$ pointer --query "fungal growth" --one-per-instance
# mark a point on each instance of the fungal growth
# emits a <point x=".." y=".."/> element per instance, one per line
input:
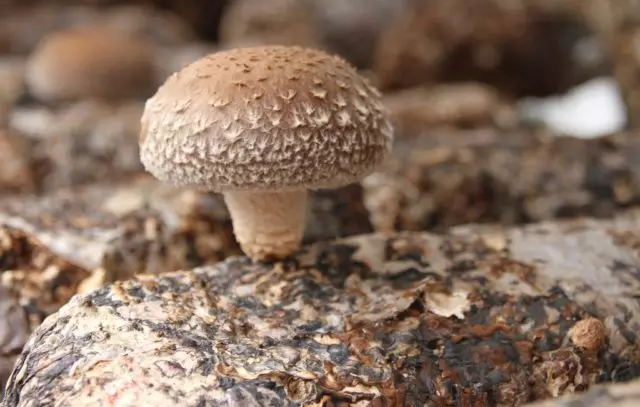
<point x="91" y="62"/>
<point x="262" y="126"/>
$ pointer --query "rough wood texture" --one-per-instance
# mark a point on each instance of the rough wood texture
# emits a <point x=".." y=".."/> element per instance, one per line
<point x="145" y="226"/>
<point x="434" y="178"/>
<point x="482" y="316"/>
<point x="448" y="177"/>
<point x="54" y="246"/>
<point x="511" y="176"/>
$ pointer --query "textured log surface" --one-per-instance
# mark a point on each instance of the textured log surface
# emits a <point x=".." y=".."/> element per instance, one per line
<point x="509" y="176"/>
<point x="72" y="241"/>
<point x="482" y="316"/>
<point x="106" y="232"/>
<point x="146" y="226"/>
<point x="436" y="179"/>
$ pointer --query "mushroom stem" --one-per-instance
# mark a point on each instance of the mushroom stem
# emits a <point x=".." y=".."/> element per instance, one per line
<point x="267" y="225"/>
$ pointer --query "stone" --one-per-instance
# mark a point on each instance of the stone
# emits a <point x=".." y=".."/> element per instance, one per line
<point x="478" y="316"/>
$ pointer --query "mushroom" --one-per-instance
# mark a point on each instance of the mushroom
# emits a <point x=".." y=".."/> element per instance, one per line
<point x="91" y="62"/>
<point x="263" y="125"/>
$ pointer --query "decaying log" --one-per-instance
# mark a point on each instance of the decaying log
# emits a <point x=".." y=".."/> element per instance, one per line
<point x="511" y="176"/>
<point x="480" y="316"/>
<point x="147" y="226"/>
<point x="432" y="180"/>
<point x="34" y="282"/>
<point x="72" y="241"/>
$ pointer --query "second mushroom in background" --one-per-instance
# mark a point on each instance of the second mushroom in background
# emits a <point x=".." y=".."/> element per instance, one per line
<point x="91" y="62"/>
<point x="263" y="125"/>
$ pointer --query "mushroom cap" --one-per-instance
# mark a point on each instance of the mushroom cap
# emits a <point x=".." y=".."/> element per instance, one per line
<point x="86" y="62"/>
<point x="265" y="118"/>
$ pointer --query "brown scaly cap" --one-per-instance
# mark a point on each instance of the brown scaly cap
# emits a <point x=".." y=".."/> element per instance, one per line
<point x="265" y="118"/>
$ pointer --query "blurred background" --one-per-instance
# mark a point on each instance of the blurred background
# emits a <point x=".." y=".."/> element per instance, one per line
<point x="506" y="112"/>
<point x="74" y="74"/>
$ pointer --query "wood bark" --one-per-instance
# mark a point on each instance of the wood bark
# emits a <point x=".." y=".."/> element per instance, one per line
<point x="482" y="316"/>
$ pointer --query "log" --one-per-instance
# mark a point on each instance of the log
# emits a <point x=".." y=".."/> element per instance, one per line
<point x="481" y="315"/>
<point x="434" y="179"/>
<point x="511" y="176"/>
<point x="147" y="226"/>
<point x="105" y="232"/>
<point x="72" y="241"/>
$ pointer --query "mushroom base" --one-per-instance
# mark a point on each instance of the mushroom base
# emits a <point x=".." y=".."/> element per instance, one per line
<point x="267" y="225"/>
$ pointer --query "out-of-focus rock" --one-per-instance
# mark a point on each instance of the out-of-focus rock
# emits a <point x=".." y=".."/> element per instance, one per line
<point x="85" y="142"/>
<point x="36" y="122"/>
<point x="417" y="111"/>
<point x="474" y="317"/>
<point x="258" y="22"/>
<point x="513" y="45"/>
<point x="39" y="281"/>
<point x="91" y="63"/>
<point x="510" y="176"/>
<point x="6" y="364"/>
<point x="334" y="213"/>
